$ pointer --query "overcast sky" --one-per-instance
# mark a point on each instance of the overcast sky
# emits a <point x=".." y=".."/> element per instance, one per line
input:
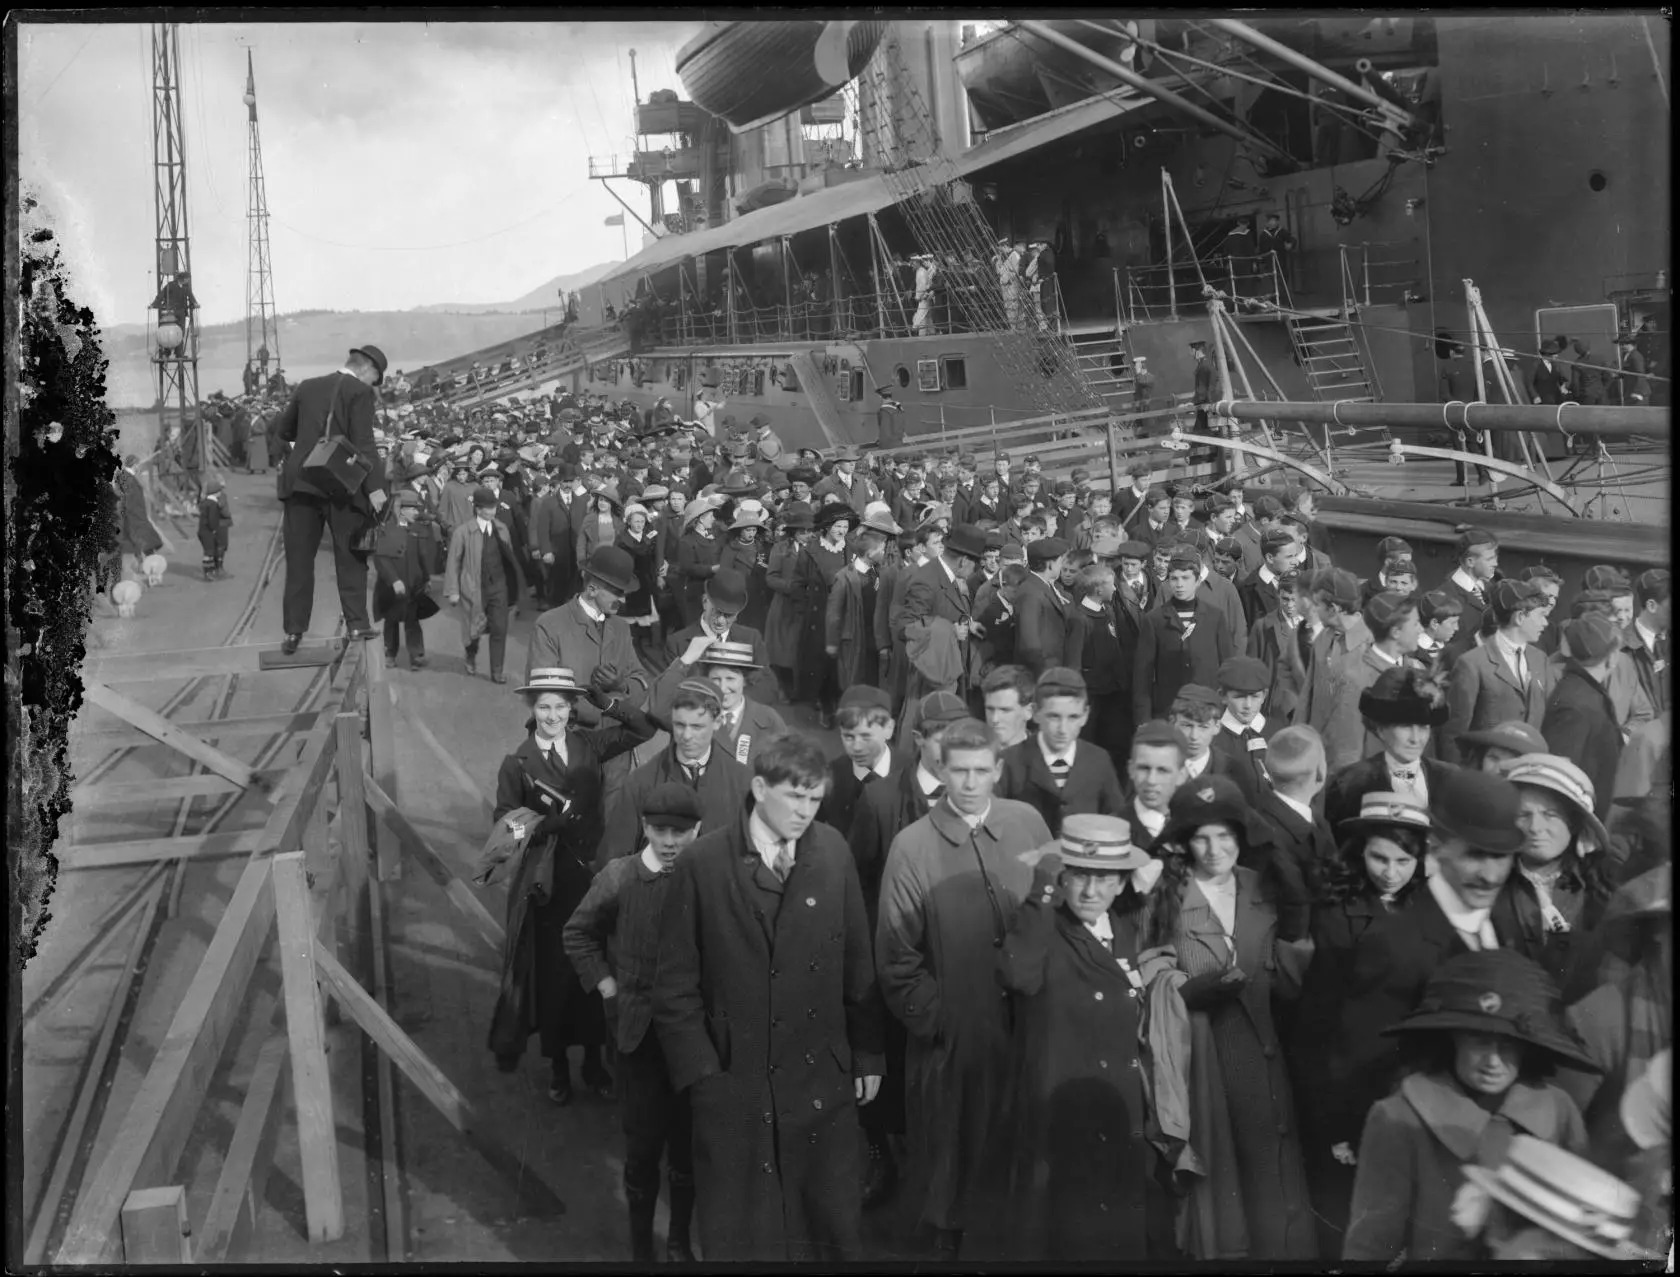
<point x="407" y="163"/>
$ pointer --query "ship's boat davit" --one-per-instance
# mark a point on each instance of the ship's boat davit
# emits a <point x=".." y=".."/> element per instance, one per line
<point x="749" y="73"/>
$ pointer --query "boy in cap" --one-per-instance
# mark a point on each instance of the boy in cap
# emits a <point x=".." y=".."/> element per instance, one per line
<point x="482" y="575"/>
<point x="1107" y="641"/>
<point x="1051" y="772"/>
<point x="612" y="940"/>
<point x="1580" y="721"/>
<point x="1244" y="731"/>
<point x="214" y="520"/>
<point x="1477" y="555"/>
<point x="1439" y="614"/>
<point x="1043" y="610"/>
<point x="1130" y="499"/>
<point x="867" y="759"/>
<point x="402" y="562"/>
<point x="1182" y="641"/>
<point x="744" y="726"/>
<point x="1157" y="512"/>
<point x="1504" y="677"/>
<point x="1259" y="590"/>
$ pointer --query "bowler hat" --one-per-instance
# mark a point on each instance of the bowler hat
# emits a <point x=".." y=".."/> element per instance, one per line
<point x="1523" y="738"/>
<point x="1104" y="843"/>
<point x="1403" y="696"/>
<point x="939" y="709"/>
<point x="553" y="678"/>
<point x="612" y="567"/>
<point x="966" y="540"/>
<point x="1498" y="991"/>
<point x="376" y="357"/>
<point x="1243" y="675"/>
<point x="1045" y="551"/>
<point x="483" y="499"/>
<point x="1480" y="808"/>
<point x="671" y="806"/>
<point x="1566" y="1195"/>
<point x="407" y="498"/>
<point x="727" y="588"/>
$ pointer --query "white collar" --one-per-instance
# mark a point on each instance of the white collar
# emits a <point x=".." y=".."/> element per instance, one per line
<point x="590" y="610"/>
<point x="764" y="841"/>
<point x="556" y="746"/>
<point x="1462" y="578"/>
<point x="1462" y="917"/>
<point x="1195" y="767"/>
<point x="1152" y="820"/>
<point x="486" y="522"/>
<point x="925" y="779"/>
<point x="651" y="861"/>
<point x="1267" y="575"/>
<point x="1391" y="764"/>
<point x="949" y="574"/>
<point x="861" y="565"/>
<point x="1102" y="928"/>
<point x="1301" y="809"/>
<point x="1647" y="636"/>
<point x="1426" y="643"/>
<point x="975" y="821"/>
<point x="1509" y="650"/>
<point x="702" y="764"/>
<point x="1066" y="754"/>
<point x="881" y="766"/>
<point x="1376" y="651"/>
<point x="1091" y="605"/>
<point x="1235" y="728"/>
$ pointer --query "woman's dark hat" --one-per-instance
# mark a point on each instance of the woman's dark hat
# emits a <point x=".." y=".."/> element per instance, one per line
<point x="835" y="511"/>
<point x="1403" y="697"/>
<point x="1498" y="991"/>
<point x="796" y="516"/>
<point x="1210" y="800"/>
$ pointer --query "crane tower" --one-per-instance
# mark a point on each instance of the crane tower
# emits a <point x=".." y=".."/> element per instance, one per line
<point x="262" y="324"/>
<point x="183" y="442"/>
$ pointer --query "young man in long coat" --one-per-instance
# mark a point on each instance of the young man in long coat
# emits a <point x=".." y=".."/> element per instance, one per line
<point x="1580" y="722"/>
<point x="853" y="599"/>
<point x="952" y="884"/>
<point x="769" y="1017"/>
<point x="1054" y="771"/>
<point x="1182" y="641"/>
<point x="483" y="576"/>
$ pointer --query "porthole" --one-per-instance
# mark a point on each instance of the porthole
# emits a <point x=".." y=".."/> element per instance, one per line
<point x="1597" y="181"/>
<point x="903" y="375"/>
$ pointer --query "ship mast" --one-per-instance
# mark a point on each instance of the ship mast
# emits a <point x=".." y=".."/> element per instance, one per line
<point x="262" y="324"/>
<point x="176" y="358"/>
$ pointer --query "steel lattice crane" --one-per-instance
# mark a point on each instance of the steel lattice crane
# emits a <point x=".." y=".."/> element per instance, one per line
<point x="262" y="324"/>
<point x="183" y="454"/>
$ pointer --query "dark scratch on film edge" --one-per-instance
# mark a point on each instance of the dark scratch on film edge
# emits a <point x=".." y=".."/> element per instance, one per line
<point x="59" y="535"/>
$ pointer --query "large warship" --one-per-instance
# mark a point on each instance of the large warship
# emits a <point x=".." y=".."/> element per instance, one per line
<point x="1009" y="234"/>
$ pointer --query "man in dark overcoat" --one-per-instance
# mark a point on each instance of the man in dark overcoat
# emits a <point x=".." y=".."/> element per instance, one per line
<point x="345" y="399"/>
<point x="402" y="564"/>
<point x="938" y="590"/>
<point x="767" y="1010"/>
<point x="1581" y="722"/>
<point x="1181" y="642"/>
<point x="1054" y="771"/>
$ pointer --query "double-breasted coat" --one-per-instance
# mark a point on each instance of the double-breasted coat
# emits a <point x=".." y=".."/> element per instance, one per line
<point x="538" y="993"/>
<point x="767" y="1010"/>
<point x="403" y="553"/>
<point x="948" y="896"/>
<point x="1091" y="784"/>
<point x="1043" y="634"/>
<point x="697" y="560"/>
<point x="1168" y="657"/>
<point x="1258" y="1098"/>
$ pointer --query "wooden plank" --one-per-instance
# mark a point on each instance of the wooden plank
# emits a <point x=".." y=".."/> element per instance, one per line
<point x="323" y="1197"/>
<point x="206" y="729"/>
<point x="155" y="724"/>
<point x="352" y="830"/>
<point x="438" y="1089"/>
<point x="300" y="792"/>
<point x="155" y="1129"/>
<point x="309" y="656"/>
<point x="382" y="755"/>
<point x="199" y="786"/>
<point x="181" y="664"/>
<point x="437" y="868"/>
<point x="238" y="1196"/>
<point x="75" y="1126"/>
<point x="393" y="1215"/>
<point x="155" y="1228"/>
<point x="143" y="851"/>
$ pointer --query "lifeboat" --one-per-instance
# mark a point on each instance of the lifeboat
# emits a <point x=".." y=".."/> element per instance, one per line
<point x="750" y="73"/>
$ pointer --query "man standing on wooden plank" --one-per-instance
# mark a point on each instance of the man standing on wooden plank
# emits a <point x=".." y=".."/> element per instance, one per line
<point x="339" y="404"/>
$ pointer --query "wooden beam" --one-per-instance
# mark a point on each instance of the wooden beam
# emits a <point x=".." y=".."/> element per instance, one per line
<point x="312" y="656"/>
<point x="323" y="1196"/>
<point x="437" y="868"/>
<point x="449" y="761"/>
<point x="238" y="1196"/>
<point x="182" y="665"/>
<point x="145" y="851"/>
<point x="393" y="1215"/>
<point x="70" y="1139"/>
<point x="199" y="786"/>
<point x="352" y="829"/>
<point x="382" y="755"/>
<point x="155" y="724"/>
<point x="206" y="729"/>
<point x="300" y="792"/>
<point x="155" y="1228"/>
<point x="432" y="1083"/>
<point x="155" y="1129"/>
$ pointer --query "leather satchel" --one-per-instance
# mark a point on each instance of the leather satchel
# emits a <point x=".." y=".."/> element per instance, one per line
<point x="332" y="465"/>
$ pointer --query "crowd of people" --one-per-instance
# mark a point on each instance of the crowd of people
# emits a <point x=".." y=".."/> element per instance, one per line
<point x="1172" y="893"/>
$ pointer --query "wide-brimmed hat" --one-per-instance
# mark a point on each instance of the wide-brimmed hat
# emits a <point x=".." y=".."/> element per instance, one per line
<point x="612" y="567"/>
<point x="835" y="511"/>
<point x="1480" y="808"/>
<point x="748" y="514"/>
<point x="1210" y="800"/>
<point x="1100" y="842"/>
<point x="734" y="655"/>
<point x="1498" y="991"/>
<point x="878" y="518"/>
<point x="699" y="506"/>
<point x="610" y="492"/>
<point x="1566" y="1195"/>
<point x="1403" y="696"/>
<point x="1381" y="810"/>
<point x="553" y="678"/>
<point x="655" y="492"/>
<point x="796" y="516"/>
<point x="1523" y="738"/>
<point x="966" y="540"/>
<point x="1562" y="777"/>
<point x="738" y="483"/>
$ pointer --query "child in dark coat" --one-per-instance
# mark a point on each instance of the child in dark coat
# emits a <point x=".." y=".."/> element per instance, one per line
<point x="214" y="520"/>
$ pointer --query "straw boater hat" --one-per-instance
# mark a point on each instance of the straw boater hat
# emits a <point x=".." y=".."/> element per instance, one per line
<point x="1566" y="1195"/>
<point x="733" y="655"/>
<point x="1501" y="992"/>
<point x="553" y="678"/>
<point x="1100" y="842"/>
<point x="1561" y="776"/>
<point x="1380" y="810"/>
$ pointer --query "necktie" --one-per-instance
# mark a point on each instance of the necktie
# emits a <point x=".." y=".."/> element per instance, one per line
<point x="1059" y="770"/>
<point x="869" y="776"/>
<point x="693" y="773"/>
<point x="1303" y="641"/>
<point x="783" y="865"/>
<point x="727" y="722"/>
<point x="1522" y="668"/>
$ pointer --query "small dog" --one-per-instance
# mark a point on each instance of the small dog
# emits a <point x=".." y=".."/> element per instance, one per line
<point x="125" y="594"/>
<point x="154" y="566"/>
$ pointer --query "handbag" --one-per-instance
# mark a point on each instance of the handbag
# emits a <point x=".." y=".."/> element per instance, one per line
<point x="332" y="465"/>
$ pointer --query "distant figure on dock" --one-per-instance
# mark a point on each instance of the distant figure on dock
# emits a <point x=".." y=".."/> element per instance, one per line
<point x="136" y="537"/>
<point x="214" y="522"/>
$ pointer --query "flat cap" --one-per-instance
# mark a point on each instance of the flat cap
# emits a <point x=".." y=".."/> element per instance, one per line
<point x="1601" y="576"/>
<point x="1059" y="680"/>
<point x="671" y="806"/>
<point x="1518" y="736"/>
<point x="1510" y="597"/>
<point x="1228" y="547"/>
<point x="1590" y="638"/>
<point x="1469" y="538"/>
<point x="1045" y="551"/>
<point x="1340" y="584"/>
<point x="1267" y="507"/>
<point x="1390" y="546"/>
<point x="1244" y="675"/>
<point x="1133" y="550"/>
<point x="1183" y="559"/>
<point x="1156" y="493"/>
<point x="940" y="709"/>
<point x="1196" y="694"/>
<point x="1438" y="603"/>
<point x="1160" y="732"/>
<point x="1385" y="608"/>
<point x="865" y="696"/>
<point x="1275" y="539"/>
